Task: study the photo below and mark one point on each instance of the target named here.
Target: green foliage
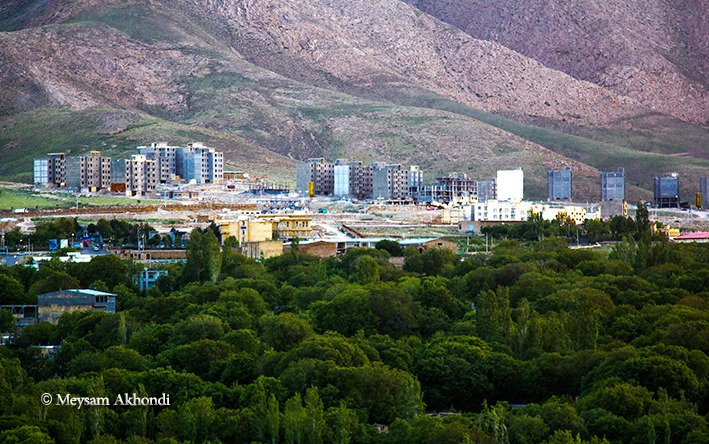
(529, 344)
(393, 247)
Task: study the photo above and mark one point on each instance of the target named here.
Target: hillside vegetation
(376, 81)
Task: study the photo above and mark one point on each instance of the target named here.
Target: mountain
(653, 51)
(270, 82)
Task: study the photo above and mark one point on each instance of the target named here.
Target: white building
(510, 185)
(507, 211)
(503, 211)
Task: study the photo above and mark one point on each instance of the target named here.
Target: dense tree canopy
(533, 342)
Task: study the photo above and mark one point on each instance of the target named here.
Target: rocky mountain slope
(299, 78)
(653, 51)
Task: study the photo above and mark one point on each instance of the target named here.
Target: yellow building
(232, 175)
(262, 250)
(289, 226)
(245, 230)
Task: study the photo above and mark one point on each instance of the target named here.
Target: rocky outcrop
(654, 51)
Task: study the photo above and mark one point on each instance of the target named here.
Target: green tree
(284, 331)
(366, 270)
(272, 419)
(493, 316)
(211, 256)
(393, 247)
(492, 421)
(295, 420)
(315, 413)
(13, 292)
(194, 265)
(342, 423)
(25, 434)
(642, 220)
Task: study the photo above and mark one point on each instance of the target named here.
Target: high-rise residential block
(317, 171)
(157, 163)
(613, 185)
(200, 164)
(486, 190)
(361, 181)
(165, 157)
(667, 191)
(390, 182)
(560, 185)
(451, 187)
(51, 170)
(415, 181)
(342, 178)
(90, 172)
(41, 172)
(704, 191)
(141, 175)
(510, 185)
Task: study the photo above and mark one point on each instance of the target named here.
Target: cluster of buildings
(393, 182)
(343, 178)
(156, 164)
(666, 192)
(262, 235)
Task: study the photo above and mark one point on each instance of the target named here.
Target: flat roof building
(613, 185)
(667, 191)
(486, 190)
(390, 182)
(510, 185)
(54, 304)
(560, 185)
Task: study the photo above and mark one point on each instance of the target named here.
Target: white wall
(510, 185)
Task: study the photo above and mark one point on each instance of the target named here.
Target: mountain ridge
(339, 85)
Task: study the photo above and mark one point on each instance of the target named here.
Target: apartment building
(509, 211)
(318, 172)
(613, 185)
(450, 188)
(90, 172)
(342, 178)
(667, 191)
(416, 186)
(390, 182)
(245, 230)
(200, 164)
(50, 171)
(486, 190)
(510, 185)
(361, 181)
(560, 185)
(289, 226)
(165, 157)
(141, 175)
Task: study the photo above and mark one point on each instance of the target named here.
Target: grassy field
(11, 199)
